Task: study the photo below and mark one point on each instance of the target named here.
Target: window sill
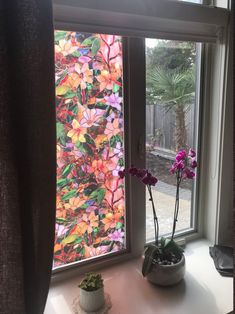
(203, 290)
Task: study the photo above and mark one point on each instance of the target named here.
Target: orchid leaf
(150, 252)
(172, 247)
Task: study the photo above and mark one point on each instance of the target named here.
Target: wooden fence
(160, 126)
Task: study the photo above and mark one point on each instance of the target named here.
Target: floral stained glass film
(89, 102)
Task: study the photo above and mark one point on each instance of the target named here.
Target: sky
(151, 42)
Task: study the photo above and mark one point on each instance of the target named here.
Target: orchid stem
(176, 212)
(155, 218)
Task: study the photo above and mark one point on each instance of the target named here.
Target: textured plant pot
(167, 275)
(91, 301)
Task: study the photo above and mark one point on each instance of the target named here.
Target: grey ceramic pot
(91, 301)
(167, 275)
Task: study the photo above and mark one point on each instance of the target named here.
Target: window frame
(168, 19)
(62, 21)
(216, 189)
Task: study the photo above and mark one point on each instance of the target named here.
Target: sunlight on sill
(202, 291)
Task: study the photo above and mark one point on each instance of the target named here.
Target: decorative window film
(90, 214)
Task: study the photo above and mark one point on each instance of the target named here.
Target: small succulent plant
(91, 282)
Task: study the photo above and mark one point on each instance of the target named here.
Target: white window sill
(203, 290)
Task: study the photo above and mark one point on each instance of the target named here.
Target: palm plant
(175, 90)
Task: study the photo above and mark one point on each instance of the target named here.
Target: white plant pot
(167, 275)
(91, 301)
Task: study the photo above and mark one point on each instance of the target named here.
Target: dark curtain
(27, 154)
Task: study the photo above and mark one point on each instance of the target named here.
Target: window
(90, 219)
(171, 22)
(171, 125)
(90, 215)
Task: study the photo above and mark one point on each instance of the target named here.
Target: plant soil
(167, 260)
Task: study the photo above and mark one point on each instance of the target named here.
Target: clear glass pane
(89, 101)
(171, 125)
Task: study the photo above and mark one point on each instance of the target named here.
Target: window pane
(89, 102)
(171, 125)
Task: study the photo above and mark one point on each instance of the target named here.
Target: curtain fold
(27, 154)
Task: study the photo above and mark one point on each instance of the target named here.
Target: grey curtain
(27, 154)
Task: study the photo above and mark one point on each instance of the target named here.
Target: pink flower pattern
(89, 102)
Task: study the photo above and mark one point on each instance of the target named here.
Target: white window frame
(176, 21)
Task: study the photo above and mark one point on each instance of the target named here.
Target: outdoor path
(170, 190)
(164, 197)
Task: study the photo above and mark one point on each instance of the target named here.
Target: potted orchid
(164, 261)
